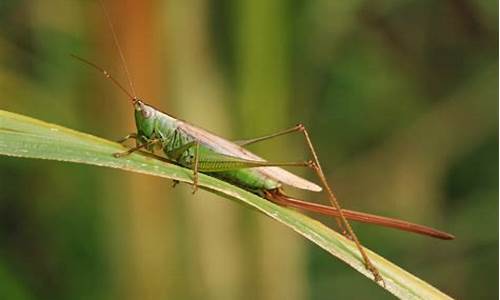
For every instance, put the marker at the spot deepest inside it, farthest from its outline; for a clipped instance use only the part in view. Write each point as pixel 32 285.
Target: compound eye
pixel 146 112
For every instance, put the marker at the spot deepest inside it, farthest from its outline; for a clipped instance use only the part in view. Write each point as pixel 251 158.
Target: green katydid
pixel 205 152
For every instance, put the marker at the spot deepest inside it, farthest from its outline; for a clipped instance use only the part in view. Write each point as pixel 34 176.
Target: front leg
pixel 139 147
pixel 129 136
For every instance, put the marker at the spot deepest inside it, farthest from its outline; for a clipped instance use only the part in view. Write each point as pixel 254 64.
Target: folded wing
pixel 226 147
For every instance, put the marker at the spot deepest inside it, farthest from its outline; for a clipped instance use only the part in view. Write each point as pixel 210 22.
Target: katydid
pixel 205 152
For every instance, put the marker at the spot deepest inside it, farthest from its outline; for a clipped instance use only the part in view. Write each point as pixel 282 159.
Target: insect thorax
pixel 152 123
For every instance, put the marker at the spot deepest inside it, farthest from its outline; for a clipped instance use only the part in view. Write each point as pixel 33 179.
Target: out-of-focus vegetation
pixel 401 98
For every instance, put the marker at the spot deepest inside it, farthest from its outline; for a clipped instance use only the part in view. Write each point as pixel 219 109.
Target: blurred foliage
pixel 401 98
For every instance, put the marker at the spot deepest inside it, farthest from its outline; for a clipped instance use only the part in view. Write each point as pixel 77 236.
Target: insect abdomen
pixel 247 178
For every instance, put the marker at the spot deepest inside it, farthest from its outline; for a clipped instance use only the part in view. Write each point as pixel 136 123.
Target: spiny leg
pixel 266 137
pixel 227 163
pixel 220 163
pixel 139 147
pixel 217 162
pixel 297 128
pixel 316 166
pixel 336 204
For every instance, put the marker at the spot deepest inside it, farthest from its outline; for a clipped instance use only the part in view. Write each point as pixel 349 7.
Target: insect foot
pixel 195 183
pixel 195 188
pixel 119 154
pixel 376 275
pixel 347 235
pixel 175 183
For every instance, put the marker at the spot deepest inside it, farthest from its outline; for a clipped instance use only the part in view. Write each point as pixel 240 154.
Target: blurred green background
pixel 401 99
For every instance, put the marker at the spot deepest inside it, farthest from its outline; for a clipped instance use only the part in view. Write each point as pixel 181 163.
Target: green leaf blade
pixel 21 136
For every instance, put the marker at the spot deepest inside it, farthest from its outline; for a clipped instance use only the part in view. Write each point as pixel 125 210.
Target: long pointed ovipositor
pixel 278 197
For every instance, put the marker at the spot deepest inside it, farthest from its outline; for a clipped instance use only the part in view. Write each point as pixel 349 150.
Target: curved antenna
pixel 107 75
pixel 117 44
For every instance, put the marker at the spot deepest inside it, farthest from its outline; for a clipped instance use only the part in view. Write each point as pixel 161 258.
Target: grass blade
pixel 22 136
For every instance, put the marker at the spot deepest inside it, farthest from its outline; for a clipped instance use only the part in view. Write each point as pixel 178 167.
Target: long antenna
pixel 107 75
pixel 117 44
